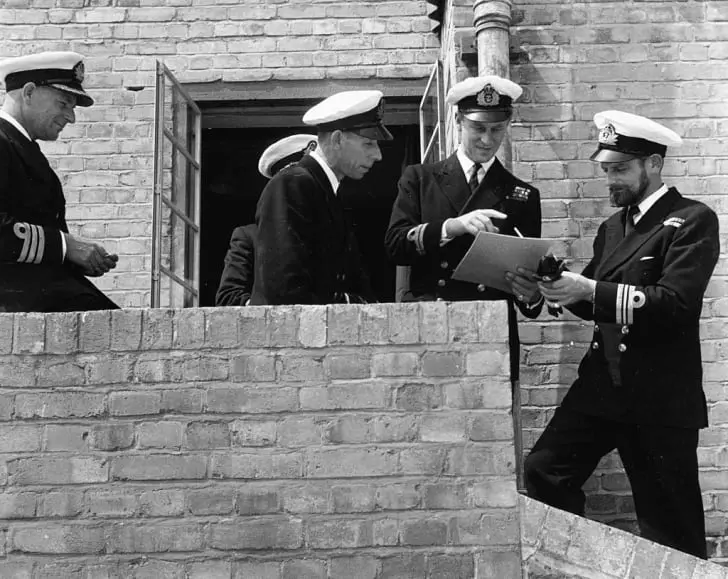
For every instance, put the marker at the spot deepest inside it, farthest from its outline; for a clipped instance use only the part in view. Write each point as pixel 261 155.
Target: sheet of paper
pixel 492 255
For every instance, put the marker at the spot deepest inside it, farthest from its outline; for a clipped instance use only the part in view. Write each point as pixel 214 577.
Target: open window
pixel 432 117
pixel 176 213
pixel 433 146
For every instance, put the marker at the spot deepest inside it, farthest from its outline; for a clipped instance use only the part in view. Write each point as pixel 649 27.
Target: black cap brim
pixel 377 132
pixel 609 156
pixel 82 98
pixel 495 116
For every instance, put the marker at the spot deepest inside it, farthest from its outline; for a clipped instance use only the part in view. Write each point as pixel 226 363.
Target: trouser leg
pixel 564 457
pixel 662 466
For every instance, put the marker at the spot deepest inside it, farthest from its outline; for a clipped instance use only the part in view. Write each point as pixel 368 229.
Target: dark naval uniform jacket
pixel 644 364
pixel 430 194
pixel 236 282
pixel 33 275
pixel 306 252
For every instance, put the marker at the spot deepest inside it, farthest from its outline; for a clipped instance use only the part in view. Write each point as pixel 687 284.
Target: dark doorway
pixel 231 186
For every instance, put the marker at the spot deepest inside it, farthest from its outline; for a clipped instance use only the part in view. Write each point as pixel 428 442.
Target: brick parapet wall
pixel 558 544
pixel 322 442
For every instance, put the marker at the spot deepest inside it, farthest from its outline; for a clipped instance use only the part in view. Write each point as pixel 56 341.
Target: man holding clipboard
pixel 442 206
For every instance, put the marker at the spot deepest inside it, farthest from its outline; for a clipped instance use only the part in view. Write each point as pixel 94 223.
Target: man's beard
pixel 625 196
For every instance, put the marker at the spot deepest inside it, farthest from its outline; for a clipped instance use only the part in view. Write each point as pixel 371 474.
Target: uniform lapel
pixel 491 191
pixel 623 248
pixel 452 182
pixel 28 151
pixel 333 203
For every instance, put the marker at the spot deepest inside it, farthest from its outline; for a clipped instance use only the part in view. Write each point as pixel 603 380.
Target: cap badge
pixel 488 97
pixel 78 72
pixel 608 136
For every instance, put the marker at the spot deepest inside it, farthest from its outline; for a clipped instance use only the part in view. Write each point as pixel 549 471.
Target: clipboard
pixel 492 254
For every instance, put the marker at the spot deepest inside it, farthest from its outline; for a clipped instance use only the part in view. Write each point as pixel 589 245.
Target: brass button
pixel 596 327
pixel 439 300
pixel 625 330
pixel 481 287
pixel 444 264
pixel 441 282
pixel 622 347
pixel 595 345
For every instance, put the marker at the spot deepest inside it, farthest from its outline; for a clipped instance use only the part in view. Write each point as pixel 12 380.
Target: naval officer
pixel 43 267
pixel 306 252
pixel 639 386
pixel 236 282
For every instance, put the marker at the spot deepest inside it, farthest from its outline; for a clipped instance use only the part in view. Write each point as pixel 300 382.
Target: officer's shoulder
pixel 686 208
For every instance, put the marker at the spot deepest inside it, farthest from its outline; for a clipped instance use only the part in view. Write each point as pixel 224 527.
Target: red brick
pixel 301 368
pixel 443 427
pixel 221 329
pixel 29 333
pixel 66 437
pixel 395 364
pixel 354 462
pixel 398 497
pixel 404 566
pixel 126 330
pixel 253 432
pixel 252 325
pixel 273 533
pixel 158 467
pixel 354 567
pixel 61 333
pixel 433 322
pixel 17 505
pixel 156 538
pixel 492 563
pixel 134 403
pixel 7 322
pixel 442 364
pixel 300 431
pixel 210 570
pixel 157 329
pixel 256 568
pixel 445 495
pixel 189 328
pixel 374 325
pixel 253 367
pixel 61 374
pixel 162 503
pixel 162 434
pixel 419 397
pixel 183 401
pixel 338 534
pixel 59 539
pixel 258 501
pixel 59 405
pixel 347 366
pixel 253 400
pixel 112 436
pixel 207 435
pixel 353 499
pixel 248 465
pixel 94 331
pixel 210 501
pixel 63 503
pixel 357 395
pixel 116 503
pixel 404 323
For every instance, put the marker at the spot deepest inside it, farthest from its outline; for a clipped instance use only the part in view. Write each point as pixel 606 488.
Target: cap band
pixel 16 80
pixel 634 146
pixel 370 118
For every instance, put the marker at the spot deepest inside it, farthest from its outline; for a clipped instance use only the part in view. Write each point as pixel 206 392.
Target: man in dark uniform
pixel 442 206
pixel 639 387
pixel 306 251
pixel 42 266
pixel 236 282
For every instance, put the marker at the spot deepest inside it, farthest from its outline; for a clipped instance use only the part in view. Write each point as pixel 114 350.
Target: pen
pixel 518 233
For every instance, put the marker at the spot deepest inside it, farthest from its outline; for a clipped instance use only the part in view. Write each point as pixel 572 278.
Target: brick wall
pixel 105 159
pixel 665 60
pixel 558 544
pixel 293 442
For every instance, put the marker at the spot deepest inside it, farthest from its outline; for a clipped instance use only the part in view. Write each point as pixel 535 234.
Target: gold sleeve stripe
pixel 416 235
pixel 629 298
pixel 33 238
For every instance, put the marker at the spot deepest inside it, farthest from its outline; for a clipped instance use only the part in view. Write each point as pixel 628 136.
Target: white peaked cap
pixel 624 136
pixel 289 149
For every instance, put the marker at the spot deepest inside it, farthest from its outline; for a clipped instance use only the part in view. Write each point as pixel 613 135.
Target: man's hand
pixel 478 220
pixel 524 285
pixel 568 289
pixel 91 258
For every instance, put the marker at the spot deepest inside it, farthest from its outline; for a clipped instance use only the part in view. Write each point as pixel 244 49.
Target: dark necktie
pixel 473 181
pixel 632 212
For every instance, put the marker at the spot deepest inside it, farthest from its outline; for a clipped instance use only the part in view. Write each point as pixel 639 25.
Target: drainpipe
pixel 492 22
